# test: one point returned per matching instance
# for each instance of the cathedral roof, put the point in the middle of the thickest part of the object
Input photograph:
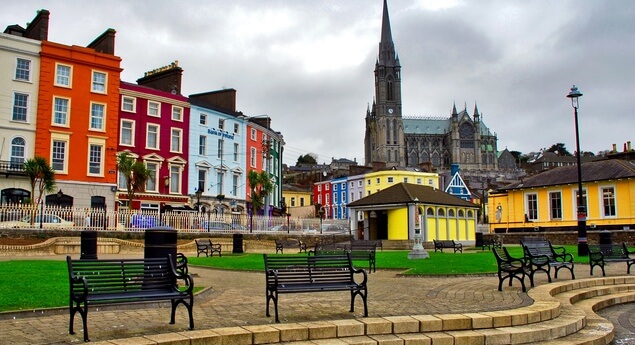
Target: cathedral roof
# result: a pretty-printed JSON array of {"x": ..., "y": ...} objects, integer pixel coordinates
[{"x": 426, "y": 125}]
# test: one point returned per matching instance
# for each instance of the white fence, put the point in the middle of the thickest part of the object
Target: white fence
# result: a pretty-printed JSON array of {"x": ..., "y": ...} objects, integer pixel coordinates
[{"x": 55, "y": 217}]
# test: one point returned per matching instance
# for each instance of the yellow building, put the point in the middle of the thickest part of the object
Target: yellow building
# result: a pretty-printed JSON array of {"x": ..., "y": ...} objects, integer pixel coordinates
[
  {"x": 380, "y": 180},
  {"x": 298, "y": 201},
  {"x": 548, "y": 200},
  {"x": 395, "y": 213}
]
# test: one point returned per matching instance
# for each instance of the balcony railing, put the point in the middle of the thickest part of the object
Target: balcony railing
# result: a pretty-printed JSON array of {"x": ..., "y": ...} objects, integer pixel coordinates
[{"x": 11, "y": 168}]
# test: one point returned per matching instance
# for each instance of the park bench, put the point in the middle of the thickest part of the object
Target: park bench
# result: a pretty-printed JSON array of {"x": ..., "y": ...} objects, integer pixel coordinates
[
  {"x": 542, "y": 256},
  {"x": 358, "y": 252},
  {"x": 447, "y": 244},
  {"x": 315, "y": 273},
  {"x": 510, "y": 268},
  {"x": 491, "y": 242},
  {"x": 207, "y": 248},
  {"x": 290, "y": 243},
  {"x": 377, "y": 243},
  {"x": 125, "y": 281},
  {"x": 601, "y": 254}
]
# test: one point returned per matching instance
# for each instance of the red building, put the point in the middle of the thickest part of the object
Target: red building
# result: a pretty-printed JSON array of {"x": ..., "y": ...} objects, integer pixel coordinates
[{"x": 154, "y": 127}]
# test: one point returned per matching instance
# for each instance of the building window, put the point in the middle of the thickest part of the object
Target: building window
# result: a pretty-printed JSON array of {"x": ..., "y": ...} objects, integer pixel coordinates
[
  {"x": 532, "y": 207},
  {"x": 23, "y": 69},
  {"x": 126, "y": 133},
  {"x": 154, "y": 109},
  {"x": 202, "y": 180},
  {"x": 58, "y": 156},
  {"x": 220, "y": 148},
  {"x": 360, "y": 183},
  {"x": 335, "y": 198},
  {"x": 252, "y": 159},
  {"x": 97, "y": 114},
  {"x": 430, "y": 182},
  {"x": 608, "y": 202},
  {"x": 378, "y": 180},
  {"x": 18, "y": 149},
  {"x": 405, "y": 180},
  {"x": 202, "y": 145},
  {"x": 177, "y": 113},
  {"x": 60, "y": 111},
  {"x": 235, "y": 185},
  {"x": 391, "y": 179},
  {"x": 151, "y": 183},
  {"x": 221, "y": 124},
  {"x": 175, "y": 141},
  {"x": 122, "y": 182},
  {"x": 152, "y": 137},
  {"x": 335, "y": 187},
  {"x": 99, "y": 82},
  {"x": 175, "y": 179},
  {"x": 253, "y": 134},
  {"x": 359, "y": 195},
  {"x": 63, "y": 75},
  {"x": 202, "y": 119},
  {"x": 95, "y": 159},
  {"x": 343, "y": 197},
  {"x": 236, "y": 150},
  {"x": 220, "y": 175},
  {"x": 128, "y": 104},
  {"x": 236, "y": 128},
  {"x": 292, "y": 201},
  {"x": 555, "y": 205},
  {"x": 301, "y": 201},
  {"x": 20, "y": 103}
]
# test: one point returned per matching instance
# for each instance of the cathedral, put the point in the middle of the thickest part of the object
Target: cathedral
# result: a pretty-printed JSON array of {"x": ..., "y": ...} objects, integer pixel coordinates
[{"x": 400, "y": 141}]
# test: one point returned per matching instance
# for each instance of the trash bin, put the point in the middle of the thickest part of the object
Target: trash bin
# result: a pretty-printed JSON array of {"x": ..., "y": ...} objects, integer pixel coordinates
[
  {"x": 606, "y": 237},
  {"x": 479, "y": 240},
  {"x": 237, "y": 241},
  {"x": 159, "y": 242},
  {"x": 88, "y": 245}
]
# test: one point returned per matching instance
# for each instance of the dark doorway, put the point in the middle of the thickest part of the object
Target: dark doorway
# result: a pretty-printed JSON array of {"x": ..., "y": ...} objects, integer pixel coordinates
[
  {"x": 59, "y": 199},
  {"x": 15, "y": 196}
]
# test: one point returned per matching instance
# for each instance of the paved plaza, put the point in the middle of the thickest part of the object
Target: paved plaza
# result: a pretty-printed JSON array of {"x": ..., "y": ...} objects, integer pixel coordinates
[{"x": 235, "y": 298}]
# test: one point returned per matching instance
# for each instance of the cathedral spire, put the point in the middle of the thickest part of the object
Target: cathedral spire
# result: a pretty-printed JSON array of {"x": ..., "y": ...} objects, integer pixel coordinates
[
  {"x": 386, "y": 45},
  {"x": 476, "y": 114}
]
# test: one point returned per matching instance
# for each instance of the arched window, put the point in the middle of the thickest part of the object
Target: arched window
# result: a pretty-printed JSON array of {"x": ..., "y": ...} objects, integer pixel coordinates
[
  {"x": 470, "y": 214},
  {"x": 18, "y": 148},
  {"x": 430, "y": 211},
  {"x": 389, "y": 91},
  {"x": 450, "y": 213},
  {"x": 388, "y": 132},
  {"x": 395, "y": 135},
  {"x": 461, "y": 214},
  {"x": 441, "y": 213}
]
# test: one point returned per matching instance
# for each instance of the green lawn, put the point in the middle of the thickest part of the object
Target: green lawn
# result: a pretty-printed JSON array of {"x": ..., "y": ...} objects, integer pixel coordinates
[{"x": 36, "y": 284}]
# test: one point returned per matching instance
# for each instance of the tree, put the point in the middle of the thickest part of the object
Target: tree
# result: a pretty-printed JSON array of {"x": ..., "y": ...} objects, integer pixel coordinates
[
  {"x": 260, "y": 186},
  {"x": 308, "y": 158},
  {"x": 559, "y": 149},
  {"x": 41, "y": 175},
  {"x": 135, "y": 173}
]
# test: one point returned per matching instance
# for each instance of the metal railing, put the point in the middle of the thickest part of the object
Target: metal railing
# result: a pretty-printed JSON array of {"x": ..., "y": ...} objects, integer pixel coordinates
[{"x": 56, "y": 217}]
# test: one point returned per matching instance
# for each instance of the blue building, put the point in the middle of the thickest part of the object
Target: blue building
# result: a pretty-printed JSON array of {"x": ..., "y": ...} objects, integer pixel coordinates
[{"x": 339, "y": 196}]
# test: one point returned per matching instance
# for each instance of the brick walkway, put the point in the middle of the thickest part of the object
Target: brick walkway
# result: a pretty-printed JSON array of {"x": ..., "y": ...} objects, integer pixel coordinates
[{"x": 238, "y": 299}]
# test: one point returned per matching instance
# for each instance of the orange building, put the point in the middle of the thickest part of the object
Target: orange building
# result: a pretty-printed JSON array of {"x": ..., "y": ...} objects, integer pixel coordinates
[{"x": 77, "y": 120}]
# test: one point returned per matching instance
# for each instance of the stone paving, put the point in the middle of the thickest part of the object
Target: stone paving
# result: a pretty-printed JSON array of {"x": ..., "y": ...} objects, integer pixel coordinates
[{"x": 238, "y": 299}]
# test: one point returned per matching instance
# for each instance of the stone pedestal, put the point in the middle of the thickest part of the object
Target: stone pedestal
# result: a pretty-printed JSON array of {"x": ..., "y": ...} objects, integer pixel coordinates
[{"x": 418, "y": 252}]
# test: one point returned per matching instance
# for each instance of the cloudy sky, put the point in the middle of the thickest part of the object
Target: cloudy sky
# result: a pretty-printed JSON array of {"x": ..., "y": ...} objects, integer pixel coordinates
[{"x": 308, "y": 64}]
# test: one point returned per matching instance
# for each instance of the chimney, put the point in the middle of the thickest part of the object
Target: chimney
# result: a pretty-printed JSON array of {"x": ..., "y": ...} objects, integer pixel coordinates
[
  {"x": 166, "y": 78},
  {"x": 614, "y": 148},
  {"x": 105, "y": 43},
  {"x": 628, "y": 145},
  {"x": 38, "y": 29},
  {"x": 223, "y": 99},
  {"x": 624, "y": 147}
]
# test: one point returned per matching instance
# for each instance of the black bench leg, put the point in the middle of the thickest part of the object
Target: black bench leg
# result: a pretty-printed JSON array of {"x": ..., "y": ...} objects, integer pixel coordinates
[{"x": 628, "y": 270}]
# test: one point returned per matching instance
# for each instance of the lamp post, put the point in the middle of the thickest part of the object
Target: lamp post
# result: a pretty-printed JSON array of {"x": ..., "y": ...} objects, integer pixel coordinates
[
  {"x": 583, "y": 249},
  {"x": 321, "y": 214},
  {"x": 41, "y": 211},
  {"x": 198, "y": 194},
  {"x": 288, "y": 222}
]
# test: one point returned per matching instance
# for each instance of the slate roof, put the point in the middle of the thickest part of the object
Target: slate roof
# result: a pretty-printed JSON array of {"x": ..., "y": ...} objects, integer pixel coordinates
[
  {"x": 404, "y": 193},
  {"x": 609, "y": 169}
]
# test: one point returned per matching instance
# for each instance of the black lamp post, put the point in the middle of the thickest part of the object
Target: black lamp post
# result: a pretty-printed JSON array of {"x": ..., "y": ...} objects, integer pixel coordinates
[
  {"x": 198, "y": 194},
  {"x": 288, "y": 222},
  {"x": 583, "y": 249},
  {"x": 59, "y": 197},
  {"x": 321, "y": 214}
]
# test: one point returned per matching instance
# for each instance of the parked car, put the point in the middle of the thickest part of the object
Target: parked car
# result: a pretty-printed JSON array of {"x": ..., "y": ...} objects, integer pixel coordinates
[
  {"x": 144, "y": 221},
  {"x": 216, "y": 225},
  {"x": 48, "y": 221}
]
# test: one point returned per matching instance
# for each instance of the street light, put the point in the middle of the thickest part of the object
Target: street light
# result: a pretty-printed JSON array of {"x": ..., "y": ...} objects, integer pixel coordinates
[
  {"x": 583, "y": 249},
  {"x": 198, "y": 194}
]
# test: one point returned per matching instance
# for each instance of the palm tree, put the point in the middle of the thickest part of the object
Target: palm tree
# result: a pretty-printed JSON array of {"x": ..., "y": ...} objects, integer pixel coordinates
[
  {"x": 135, "y": 173},
  {"x": 41, "y": 176},
  {"x": 260, "y": 186}
]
